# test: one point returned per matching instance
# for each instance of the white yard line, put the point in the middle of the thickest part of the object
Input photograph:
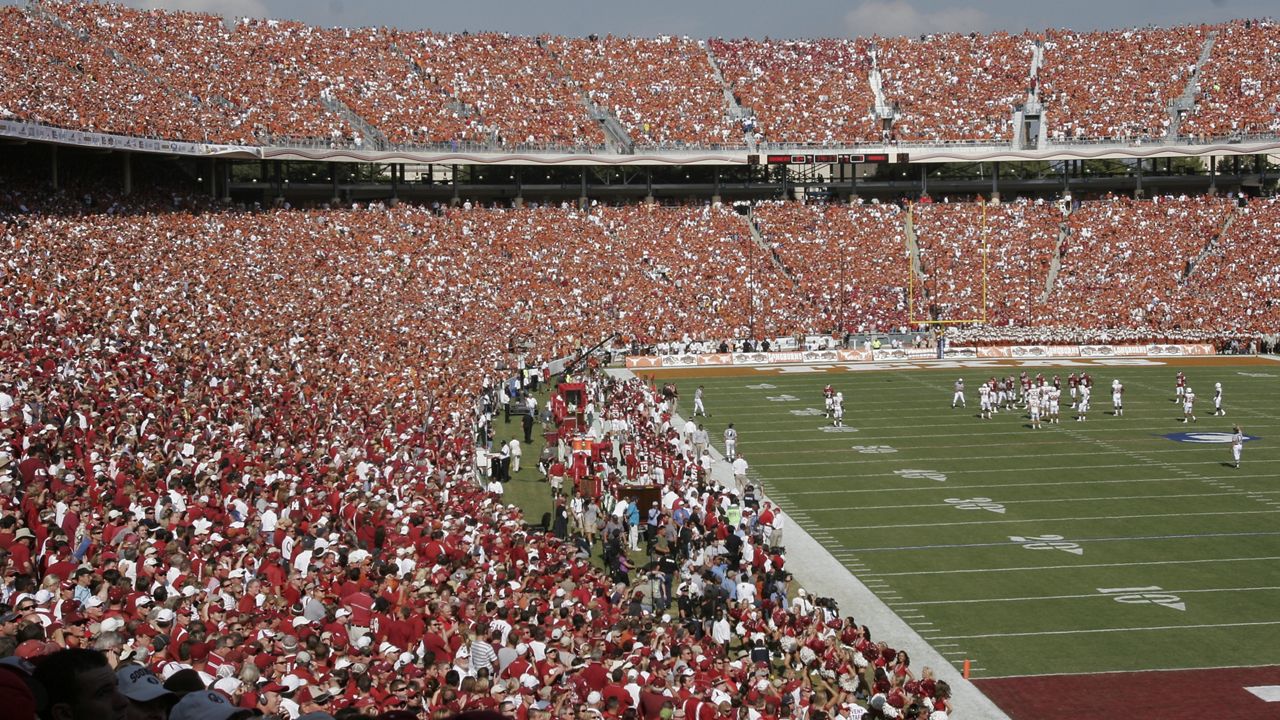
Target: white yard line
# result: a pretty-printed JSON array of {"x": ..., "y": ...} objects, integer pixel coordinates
[
  {"x": 1085, "y": 596},
  {"x": 1090, "y": 566},
  {"x": 1081, "y": 518}
]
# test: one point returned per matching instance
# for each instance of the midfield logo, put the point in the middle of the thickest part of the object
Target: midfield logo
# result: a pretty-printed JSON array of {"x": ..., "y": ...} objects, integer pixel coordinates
[{"x": 1223, "y": 438}]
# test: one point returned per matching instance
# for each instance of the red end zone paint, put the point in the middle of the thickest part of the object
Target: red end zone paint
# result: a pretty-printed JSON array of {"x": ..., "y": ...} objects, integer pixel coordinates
[{"x": 1163, "y": 695}]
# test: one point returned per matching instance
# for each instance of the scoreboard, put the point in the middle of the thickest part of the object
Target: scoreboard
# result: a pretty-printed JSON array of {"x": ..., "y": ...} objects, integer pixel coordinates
[{"x": 823, "y": 159}]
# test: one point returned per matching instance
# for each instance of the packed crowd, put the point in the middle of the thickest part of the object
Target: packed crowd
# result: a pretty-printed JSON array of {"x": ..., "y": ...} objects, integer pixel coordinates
[
  {"x": 1020, "y": 239},
  {"x": 803, "y": 91},
  {"x": 662, "y": 90},
  {"x": 849, "y": 263},
  {"x": 513, "y": 84},
  {"x": 49, "y": 75},
  {"x": 1116, "y": 83},
  {"x": 257, "y": 78},
  {"x": 204, "y": 477},
  {"x": 1234, "y": 286},
  {"x": 1125, "y": 260},
  {"x": 192, "y": 76},
  {"x": 953, "y": 87},
  {"x": 1240, "y": 84}
]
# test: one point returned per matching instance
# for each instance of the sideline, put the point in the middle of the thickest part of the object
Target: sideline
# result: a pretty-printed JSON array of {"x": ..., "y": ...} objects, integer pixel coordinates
[{"x": 822, "y": 575}]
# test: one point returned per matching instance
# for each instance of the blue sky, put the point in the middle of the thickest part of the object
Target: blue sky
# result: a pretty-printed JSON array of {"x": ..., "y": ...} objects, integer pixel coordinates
[{"x": 735, "y": 18}]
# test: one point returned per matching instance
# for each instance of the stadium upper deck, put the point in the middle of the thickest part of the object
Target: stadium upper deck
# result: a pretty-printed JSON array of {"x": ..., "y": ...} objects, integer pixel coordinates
[{"x": 275, "y": 84}]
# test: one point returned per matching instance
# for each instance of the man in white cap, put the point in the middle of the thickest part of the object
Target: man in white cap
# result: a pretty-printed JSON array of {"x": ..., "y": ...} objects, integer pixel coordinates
[{"x": 148, "y": 698}]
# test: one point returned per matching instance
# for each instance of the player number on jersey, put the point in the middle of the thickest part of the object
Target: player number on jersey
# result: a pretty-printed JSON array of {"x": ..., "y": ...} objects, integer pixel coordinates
[
  {"x": 921, "y": 475},
  {"x": 874, "y": 449},
  {"x": 1048, "y": 542},
  {"x": 975, "y": 504},
  {"x": 1152, "y": 595}
]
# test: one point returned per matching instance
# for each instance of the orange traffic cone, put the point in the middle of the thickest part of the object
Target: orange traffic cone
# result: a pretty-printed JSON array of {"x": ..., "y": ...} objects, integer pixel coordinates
[{"x": 966, "y": 669}]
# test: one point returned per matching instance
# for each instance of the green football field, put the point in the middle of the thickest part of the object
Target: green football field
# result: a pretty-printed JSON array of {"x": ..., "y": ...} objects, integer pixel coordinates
[{"x": 1081, "y": 547}]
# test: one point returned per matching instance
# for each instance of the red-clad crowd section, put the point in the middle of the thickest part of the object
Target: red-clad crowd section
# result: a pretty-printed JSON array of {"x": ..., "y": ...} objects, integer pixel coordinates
[{"x": 253, "y": 451}]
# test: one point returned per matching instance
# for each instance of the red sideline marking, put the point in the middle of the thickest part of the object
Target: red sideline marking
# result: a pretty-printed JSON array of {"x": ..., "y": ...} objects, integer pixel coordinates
[{"x": 1169, "y": 695}]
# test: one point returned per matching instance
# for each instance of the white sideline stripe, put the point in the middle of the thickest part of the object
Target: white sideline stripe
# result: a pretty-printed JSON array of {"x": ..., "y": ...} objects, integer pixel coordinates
[
  {"x": 1086, "y": 596},
  {"x": 1072, "y": 567},
  {"x": 1060, "y": 519},
  {"x": 1118, "y": 481},
  {"x": 1233, "y": 493},
  {"x": 1111, "y": 630},
  {"x": 1179, "y": 536}
]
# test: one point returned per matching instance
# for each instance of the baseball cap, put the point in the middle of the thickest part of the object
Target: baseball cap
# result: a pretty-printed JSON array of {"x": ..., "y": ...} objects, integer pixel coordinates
[
  {"x": 207, "y": 705},
  {"x": 139, "y": 684}
]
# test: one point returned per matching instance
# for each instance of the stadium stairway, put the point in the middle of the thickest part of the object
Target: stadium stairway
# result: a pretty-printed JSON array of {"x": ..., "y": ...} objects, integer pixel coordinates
[
  {"x": 1031, "y": 107},
  {"x": 616, "y": 137},
  {"x": 758, "y": 238},
  {"x": 1210, "y": 246},
  {"x": 884, "y": 111},
  {"x": 1186, "y": 102},
  {"x": 373, "y": 137},
  {"x": 1055, "y": 263},
  {"x": 733, "y": 109}
]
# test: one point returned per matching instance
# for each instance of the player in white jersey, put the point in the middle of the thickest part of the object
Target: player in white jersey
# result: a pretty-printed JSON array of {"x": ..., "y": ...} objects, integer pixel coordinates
[
  {"x": 984, "y": 401},
  {"x": 730, "y": 442},
  {"x": 829, "y": 403},
  {"x": 958, "y": 398},
  {"x": 837, "y": 410},
  {"x": 698, "y": 407},
  {"x": 1055, "y": 397},
  {"x": 1189, "y": 405},
  {"x": 1082, "y": 404},
  {"x": 1237, "y": 443},
  {"x": 1117, "y": 398},
  {"x": 1033, "y": 406},
  {"x": 1217, "y": 400}
]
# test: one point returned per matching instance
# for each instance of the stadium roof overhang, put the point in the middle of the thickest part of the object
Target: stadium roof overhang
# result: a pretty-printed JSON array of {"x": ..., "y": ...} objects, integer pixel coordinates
[{"x": 912, "y": 153}]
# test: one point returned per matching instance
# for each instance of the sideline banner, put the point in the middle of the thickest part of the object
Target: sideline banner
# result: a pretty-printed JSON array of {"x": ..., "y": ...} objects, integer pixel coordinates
[{"x": 1019, "y": 352}]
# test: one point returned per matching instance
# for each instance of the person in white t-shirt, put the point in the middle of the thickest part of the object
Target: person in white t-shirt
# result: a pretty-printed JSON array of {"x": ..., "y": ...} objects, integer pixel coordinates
[{"x": 740, "y": 473}]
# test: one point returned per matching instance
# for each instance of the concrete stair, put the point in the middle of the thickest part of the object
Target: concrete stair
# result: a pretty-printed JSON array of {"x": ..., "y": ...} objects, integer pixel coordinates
[
  {"x": 1055, "y": 264},
  {"x": 617, "y": 139},
  {"x": 758, "y": 238},
  {"x": 733, "y": 110},
  {"x": 1186, "y": 102},
  {"x": 1210, "y": 246},
  {"x": 373, "y": 138},
  {"x": 884, "y": 110}
]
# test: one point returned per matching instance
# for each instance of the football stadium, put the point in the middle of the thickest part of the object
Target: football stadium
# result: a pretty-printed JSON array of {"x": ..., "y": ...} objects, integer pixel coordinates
[{"x": 377, "y": 372}]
